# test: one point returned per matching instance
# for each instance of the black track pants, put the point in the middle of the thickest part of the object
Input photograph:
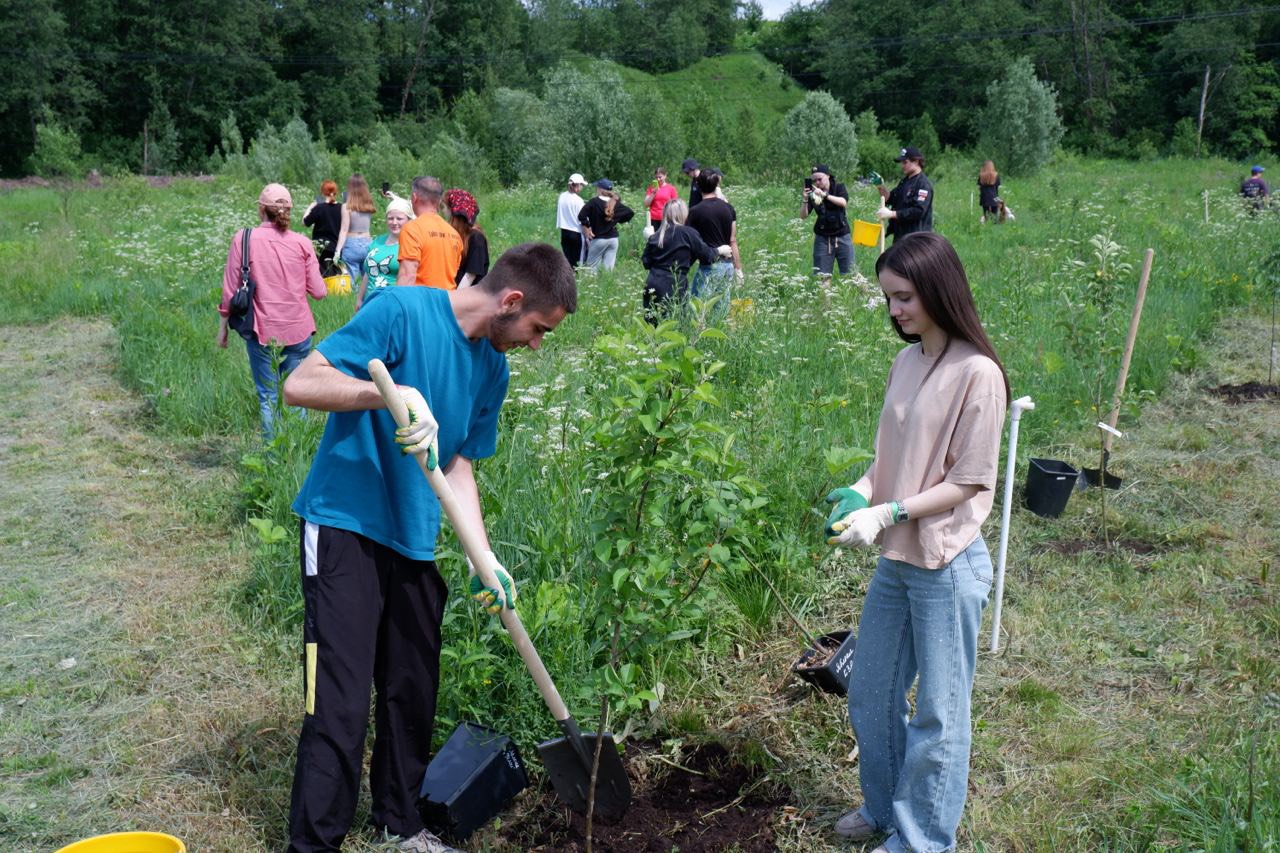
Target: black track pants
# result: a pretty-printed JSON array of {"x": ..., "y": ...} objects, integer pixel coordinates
[
  {"x": 372, "y": 617},
  {"x": 571, "y": 245}
]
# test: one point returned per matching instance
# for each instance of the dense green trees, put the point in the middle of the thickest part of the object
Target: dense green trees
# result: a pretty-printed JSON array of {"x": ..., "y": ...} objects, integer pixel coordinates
[{"x": 148, "y": 86}]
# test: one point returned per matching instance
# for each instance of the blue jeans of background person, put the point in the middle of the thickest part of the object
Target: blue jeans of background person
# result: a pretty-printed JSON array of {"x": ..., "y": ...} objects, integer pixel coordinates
[
  {"x": 354, "y": 251},
  {"x": 827, "y": 251},
  {"x": 269, "y": 366},
  {"x": 714, "y": 280},
  {"x": 602, "y": 252},
  {"x": 915, "y": 770}
]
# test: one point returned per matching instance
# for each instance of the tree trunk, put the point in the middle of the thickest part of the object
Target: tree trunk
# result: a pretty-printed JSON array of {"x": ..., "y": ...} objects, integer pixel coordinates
[
  {"x": 428, "y": 12},
  {"x": 1204, "y": 98}
]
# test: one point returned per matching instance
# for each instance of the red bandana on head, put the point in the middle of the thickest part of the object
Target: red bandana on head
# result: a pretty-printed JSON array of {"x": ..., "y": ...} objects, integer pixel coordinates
[{"x": 462, "y": 203}]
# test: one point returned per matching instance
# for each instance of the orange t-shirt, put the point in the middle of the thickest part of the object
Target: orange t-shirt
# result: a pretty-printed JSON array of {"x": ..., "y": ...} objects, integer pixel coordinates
[{"x": 436, "y": 247}]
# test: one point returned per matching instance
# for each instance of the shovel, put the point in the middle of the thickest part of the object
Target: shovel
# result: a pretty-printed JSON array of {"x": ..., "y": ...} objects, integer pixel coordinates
[{"x": 568, "y": 759}]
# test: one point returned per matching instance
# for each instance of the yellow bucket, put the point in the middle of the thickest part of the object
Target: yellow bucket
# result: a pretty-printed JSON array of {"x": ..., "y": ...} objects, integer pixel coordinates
[
  {"x": 866, "y": 233},
  {"x": 128, "y": 842},
  {"x": 338, "y": 285}
]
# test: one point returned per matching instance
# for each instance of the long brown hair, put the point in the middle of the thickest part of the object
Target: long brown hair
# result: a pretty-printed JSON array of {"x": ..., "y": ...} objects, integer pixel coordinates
[
  {"x": 987, "y": 175},
  {"x": 464, "y": 229},
  {"x": 932, "y": 266},
  {"x": 609, "y": 205},
  {"x": 358, "y": 198}
]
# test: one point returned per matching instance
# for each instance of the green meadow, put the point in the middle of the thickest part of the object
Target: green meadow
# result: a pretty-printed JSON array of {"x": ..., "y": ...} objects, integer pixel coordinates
[{"x": 1134, "y": 705}]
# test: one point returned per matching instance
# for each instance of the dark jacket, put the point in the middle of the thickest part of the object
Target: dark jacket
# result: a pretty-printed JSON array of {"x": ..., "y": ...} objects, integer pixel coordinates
[
  {"x": 670, "y": 262},
  {"x": 831, "y": 220},
  {"x": 592, "y": 216},
  {"x": 325, "y": 220},
  {"x": 988, "y": 195},
  {"x": 912, "y": 200}
]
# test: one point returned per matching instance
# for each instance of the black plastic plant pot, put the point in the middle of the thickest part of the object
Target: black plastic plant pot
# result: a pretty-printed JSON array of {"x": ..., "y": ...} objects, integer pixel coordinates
[
  {"x": 1049, "y": 486},
  {"x": 473, "y": 777},
  {"x": 828, "y": 667}
]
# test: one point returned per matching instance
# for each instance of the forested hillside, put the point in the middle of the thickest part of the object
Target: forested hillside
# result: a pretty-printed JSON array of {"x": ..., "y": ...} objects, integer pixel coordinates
[{"x": 126, "y": 86}]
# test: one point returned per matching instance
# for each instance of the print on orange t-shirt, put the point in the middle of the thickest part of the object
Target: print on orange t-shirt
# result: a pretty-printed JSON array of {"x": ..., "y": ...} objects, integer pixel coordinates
[{"x": 436, "y": 247}]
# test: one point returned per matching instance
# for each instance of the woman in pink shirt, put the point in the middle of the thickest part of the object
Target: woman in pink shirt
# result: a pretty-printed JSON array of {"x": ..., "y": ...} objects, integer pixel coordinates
[
  {"x": 659, "y": 193},
  {"x": 284, "y": 271},
  {"x": 923, "y": 500}
]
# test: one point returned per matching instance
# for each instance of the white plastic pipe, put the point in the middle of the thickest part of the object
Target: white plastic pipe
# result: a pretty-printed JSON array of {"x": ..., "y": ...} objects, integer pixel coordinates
[{"x": 1019, "y": 406}]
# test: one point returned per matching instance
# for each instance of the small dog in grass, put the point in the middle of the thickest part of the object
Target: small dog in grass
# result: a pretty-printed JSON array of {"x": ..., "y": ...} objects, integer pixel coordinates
[{"x": 1005, "y": 214}]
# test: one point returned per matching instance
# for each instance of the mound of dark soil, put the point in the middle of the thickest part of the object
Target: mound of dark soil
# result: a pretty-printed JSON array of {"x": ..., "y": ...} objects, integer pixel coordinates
[
  {"x": 720, "y": 805},
  {"x": 1247, "y": 392}
]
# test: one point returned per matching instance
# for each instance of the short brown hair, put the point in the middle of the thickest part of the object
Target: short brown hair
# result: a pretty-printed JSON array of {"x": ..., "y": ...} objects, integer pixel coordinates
[{"x": 540, "y": 272}]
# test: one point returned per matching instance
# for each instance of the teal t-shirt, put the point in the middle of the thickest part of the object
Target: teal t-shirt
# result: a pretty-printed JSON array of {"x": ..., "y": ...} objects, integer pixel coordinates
[
  {"x": 383, "y": 262},
  {"x": 360, "y": 480}
]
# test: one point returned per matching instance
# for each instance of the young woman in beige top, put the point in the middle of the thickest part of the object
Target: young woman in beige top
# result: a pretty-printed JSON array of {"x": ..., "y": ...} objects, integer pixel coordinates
[{"x": 923, "y": 500}]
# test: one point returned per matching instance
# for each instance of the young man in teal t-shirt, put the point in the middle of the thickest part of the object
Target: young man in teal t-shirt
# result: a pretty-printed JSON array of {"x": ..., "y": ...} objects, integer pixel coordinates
[{"x": 373, "y": 596}]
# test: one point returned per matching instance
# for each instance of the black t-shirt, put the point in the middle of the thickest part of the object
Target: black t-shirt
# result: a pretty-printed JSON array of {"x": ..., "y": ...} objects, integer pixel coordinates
[
  {"x": 713, "y": 219},
  {"x": 477, "y": 260},
  {"x": 912, "y": 200},
  {"x": 987, "y": 195},
  {"x": 325, "y": 220},
  {"x": 592, "y": 216},
  {"x": 832, "y": 220}
]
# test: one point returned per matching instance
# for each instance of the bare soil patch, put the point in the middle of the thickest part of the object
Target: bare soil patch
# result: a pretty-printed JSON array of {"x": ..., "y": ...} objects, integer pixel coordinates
[
  {"x": 1246, "y": 392},
  {"x": 706, "y": 801}
]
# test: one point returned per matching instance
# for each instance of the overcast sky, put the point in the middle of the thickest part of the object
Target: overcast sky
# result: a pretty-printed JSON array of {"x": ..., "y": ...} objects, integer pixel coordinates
[{"x": 774, "y": 9}]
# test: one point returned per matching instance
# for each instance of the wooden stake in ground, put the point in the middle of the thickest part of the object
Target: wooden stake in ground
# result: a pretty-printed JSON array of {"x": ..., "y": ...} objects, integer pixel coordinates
[
  {"x": 1206, "y": 206},
  {"x": 1128, "y": 345}
]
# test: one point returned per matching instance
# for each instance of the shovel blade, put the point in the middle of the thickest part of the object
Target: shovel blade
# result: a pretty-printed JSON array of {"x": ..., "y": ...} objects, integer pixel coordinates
[{"x": 571, "y": 777}]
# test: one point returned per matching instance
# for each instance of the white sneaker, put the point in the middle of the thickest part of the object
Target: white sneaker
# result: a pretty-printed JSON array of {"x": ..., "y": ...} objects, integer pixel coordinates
[
  {"x": 855, "y": 827},
  {"x": 425, "y": 842}
]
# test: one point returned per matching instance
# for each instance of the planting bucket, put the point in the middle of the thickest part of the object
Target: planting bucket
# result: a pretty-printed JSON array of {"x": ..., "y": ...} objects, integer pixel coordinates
[
  {"x": 471, "y": 779},
  {"x": 128, "y": 842},
  {"x": 866, "y": 233},
  {"x": 338, "y": 284},
  {"x": 832, "y": 676},
  {"x": 1049, "y": 486}
]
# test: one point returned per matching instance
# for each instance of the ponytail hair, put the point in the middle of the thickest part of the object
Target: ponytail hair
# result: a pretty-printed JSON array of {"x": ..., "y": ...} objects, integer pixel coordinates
[
  {"x": 932, "y": 266},
  {"x": 277, "y": 214},
  {"x": 610, "y": 204}
]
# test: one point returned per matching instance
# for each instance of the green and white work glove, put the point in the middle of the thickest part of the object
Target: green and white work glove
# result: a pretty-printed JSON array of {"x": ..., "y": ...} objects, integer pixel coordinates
[
  {"x": 843, "y": 502},
  {"x": 493, "y": 600},
  {"x": 861, "y": 527},
  {"x": 420, "y": 435}
]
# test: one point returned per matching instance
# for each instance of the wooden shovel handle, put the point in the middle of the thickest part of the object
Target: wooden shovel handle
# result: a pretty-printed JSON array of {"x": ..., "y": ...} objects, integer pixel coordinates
[
  {"x": 1128, "y": 346},
  {"x": 473, "y": 545}
]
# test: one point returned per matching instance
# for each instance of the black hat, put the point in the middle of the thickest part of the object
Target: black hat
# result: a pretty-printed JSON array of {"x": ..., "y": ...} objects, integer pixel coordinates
[
  {"x": 909, "y": 153},
  {"x": 689, "y": 165},
  {"x": 824, "y": 169}
]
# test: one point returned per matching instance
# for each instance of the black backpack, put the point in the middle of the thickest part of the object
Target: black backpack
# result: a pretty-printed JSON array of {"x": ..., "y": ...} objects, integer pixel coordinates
[{"x": 240, "y": 308}]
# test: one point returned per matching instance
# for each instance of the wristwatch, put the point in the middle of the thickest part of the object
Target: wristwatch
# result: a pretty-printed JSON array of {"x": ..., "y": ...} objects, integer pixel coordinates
[{"x": 900, "y": 512}]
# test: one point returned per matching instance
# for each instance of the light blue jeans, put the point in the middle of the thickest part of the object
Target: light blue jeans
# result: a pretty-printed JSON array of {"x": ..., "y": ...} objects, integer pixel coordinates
[
  {"x": 915, "y": 769},
  {"x": 714, "y": 280},
  {"x": 354, "y": 252},
  {"x": 269, "y": 366}
]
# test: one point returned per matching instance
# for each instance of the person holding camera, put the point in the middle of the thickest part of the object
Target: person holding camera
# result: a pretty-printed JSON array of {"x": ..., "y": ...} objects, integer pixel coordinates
[
  {"x": 828, "y": 199},
  {"x": 909, "y": 208}
]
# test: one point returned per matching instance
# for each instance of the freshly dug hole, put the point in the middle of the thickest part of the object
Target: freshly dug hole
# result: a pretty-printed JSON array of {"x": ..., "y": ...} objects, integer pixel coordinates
[{"x": 720, "y": 805}]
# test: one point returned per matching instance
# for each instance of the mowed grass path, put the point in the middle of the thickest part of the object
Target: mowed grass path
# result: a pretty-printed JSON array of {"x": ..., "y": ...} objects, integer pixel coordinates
[{"x": 128, "y": 698}]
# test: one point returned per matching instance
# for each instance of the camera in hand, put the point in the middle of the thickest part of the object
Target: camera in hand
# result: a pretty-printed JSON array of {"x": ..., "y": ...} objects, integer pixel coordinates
[
  {"x": 808, "y": 183},
  {"x": 386, "y": 187}
]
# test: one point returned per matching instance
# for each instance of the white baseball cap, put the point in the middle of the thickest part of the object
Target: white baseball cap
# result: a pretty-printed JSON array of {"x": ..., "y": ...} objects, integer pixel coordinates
[{"x": 576, "y": 178}]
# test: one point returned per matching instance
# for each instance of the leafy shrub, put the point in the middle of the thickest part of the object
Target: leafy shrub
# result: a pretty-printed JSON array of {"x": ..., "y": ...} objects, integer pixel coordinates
[
  {"x": 818, "y": 130},
  {"x": 384, "y": 160},
  {"x": 290, "y": 156},
  {"x": 163, "y": 148},
  {"x": 1183, "y": 141},
  {"x": 1020, "y": 124},
  {"x": 57, "y": 151},
  {"x": 876, "y": 148}
]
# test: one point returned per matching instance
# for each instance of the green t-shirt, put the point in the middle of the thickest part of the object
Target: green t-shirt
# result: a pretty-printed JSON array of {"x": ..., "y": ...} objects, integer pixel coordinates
[{"x": 383, "y": 263}]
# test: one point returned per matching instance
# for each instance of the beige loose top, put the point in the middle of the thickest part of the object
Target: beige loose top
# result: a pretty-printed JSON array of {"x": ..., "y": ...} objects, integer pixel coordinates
[{"x": 943, "y": 428}]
